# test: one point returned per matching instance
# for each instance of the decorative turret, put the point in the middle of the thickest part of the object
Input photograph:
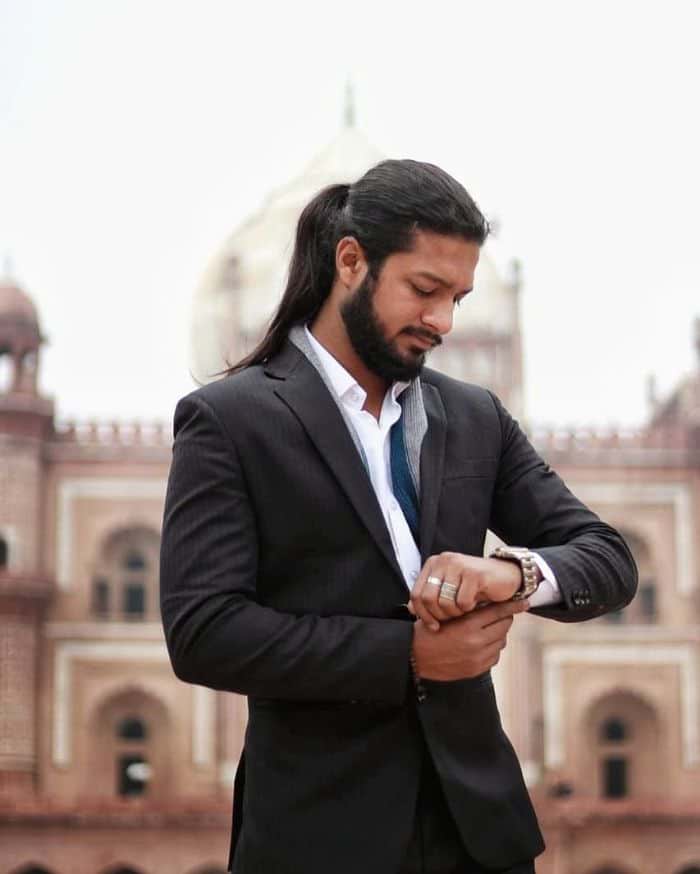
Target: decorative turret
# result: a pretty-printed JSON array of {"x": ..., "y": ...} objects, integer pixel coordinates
[
  {"x": 20, "y": 339},
  {"x": 26, "y": 421},
  {"x": 23, "y": 411}
]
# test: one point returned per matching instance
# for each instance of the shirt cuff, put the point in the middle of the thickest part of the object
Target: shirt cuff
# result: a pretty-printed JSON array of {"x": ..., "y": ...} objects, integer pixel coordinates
[{"x": 548, "y": 589}]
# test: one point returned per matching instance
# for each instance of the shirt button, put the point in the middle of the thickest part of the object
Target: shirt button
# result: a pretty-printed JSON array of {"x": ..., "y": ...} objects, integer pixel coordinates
[
  {"x": 414, "y": 575},
  {"x": 394, "y": 506}
]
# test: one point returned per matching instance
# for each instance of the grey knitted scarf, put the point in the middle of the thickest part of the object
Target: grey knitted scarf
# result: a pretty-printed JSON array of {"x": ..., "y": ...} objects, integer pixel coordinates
[{"x": 415, "y": 421}]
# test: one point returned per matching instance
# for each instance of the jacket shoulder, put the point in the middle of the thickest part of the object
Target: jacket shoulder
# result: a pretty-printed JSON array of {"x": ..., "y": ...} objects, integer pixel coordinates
[
  {"x": 222, "y": 392},
  {"x": 455, "y": 393}
]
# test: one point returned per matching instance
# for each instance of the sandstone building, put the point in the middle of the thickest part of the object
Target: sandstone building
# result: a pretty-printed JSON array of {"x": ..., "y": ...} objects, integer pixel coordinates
[{"x": 110, "y": 765}]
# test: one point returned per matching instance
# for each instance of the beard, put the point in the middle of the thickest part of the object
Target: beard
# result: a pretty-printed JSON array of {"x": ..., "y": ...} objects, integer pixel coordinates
[{"x": 366, "y": 334}]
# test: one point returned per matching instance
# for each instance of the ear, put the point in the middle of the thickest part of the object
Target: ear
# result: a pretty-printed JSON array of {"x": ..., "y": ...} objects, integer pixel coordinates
[{"x": 350, "y": 262}]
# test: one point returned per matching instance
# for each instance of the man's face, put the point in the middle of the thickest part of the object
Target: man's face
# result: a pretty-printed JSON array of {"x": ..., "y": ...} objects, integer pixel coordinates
[{"x": 395, "y": 320}]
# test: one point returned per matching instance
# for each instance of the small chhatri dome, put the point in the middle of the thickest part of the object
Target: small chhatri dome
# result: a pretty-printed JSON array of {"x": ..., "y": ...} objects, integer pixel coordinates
[
  {"x": 16, "y": 306},
  {"x": 20, "y": 340}
]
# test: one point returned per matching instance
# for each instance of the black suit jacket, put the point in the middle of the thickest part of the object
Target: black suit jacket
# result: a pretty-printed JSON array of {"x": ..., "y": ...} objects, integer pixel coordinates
[{"x": 279, "y": 581}]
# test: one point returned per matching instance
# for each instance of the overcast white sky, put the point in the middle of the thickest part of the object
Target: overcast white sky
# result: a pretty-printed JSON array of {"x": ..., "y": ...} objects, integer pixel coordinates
[{"x": 136, "y": 134}]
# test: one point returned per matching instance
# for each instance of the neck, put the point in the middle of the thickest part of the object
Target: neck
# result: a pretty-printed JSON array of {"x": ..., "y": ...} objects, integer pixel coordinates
[{"x": 329, "y": 330}]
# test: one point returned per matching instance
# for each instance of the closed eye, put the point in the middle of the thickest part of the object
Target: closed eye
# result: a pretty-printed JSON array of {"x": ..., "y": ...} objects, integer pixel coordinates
[{"x": 421, "y": 292}]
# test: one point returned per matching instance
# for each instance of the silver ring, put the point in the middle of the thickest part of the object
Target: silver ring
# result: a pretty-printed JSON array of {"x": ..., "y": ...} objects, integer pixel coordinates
[
  {"x": 434, "y": 581},
  {"x": 448, "y": 591}
]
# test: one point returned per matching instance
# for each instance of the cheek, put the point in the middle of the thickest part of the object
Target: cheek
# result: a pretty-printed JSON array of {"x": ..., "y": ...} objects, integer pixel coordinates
[{"x": 397, "y": 308}]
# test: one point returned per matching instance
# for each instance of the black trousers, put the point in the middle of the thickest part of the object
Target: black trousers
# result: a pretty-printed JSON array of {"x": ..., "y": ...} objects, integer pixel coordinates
[{"x": 435, "y": 846}]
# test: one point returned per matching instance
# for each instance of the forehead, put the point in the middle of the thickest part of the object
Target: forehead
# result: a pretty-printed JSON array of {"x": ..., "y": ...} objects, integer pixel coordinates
[{"x": 452, "y": 259}]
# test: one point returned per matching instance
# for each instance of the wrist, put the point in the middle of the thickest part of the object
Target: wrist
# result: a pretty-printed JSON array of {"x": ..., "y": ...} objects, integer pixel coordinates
[
  {"x": 502, "y": 580},
  {"x": 525, "y": 562}
]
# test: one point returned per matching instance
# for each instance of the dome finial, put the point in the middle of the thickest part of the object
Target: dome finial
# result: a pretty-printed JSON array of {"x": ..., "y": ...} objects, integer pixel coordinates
[{"x": 349, "y": 112}]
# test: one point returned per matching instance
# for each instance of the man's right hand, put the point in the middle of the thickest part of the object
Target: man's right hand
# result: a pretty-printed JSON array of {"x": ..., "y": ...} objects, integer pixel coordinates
[{"x": 466, "y": 646}]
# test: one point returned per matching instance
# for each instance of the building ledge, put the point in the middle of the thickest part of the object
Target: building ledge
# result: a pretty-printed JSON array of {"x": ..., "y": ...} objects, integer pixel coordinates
[
  {"x": 86, "y": 812},
  {"x": 576, "y": 812}
]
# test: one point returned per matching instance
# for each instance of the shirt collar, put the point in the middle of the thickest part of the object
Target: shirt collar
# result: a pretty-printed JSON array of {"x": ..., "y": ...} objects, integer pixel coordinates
[{"x": 344, "y": 384}]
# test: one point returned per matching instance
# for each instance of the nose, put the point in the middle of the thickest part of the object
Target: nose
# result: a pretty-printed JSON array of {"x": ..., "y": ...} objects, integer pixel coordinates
[{"x": 437, "y": 316}]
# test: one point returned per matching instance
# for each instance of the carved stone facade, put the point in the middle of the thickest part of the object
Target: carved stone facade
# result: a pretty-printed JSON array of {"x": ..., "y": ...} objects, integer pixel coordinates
[{"x": 109, "y": 764}]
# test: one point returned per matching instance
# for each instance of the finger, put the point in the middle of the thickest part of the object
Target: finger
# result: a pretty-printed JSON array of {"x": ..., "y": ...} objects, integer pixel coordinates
[
  {"x": 418, "y": 599},
  {"x": 448, "y": 596},
  {"x": 448, "y": 568},
  {"x": 436, "y": 598},
  {"x": 492, "y": 654},
  {"x": 466, "y": 597},
  {"x": 497, "y": 631}
]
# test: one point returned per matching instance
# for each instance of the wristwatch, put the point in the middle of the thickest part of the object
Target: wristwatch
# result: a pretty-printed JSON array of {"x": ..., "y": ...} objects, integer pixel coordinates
[{"x": 522, "y": 556}]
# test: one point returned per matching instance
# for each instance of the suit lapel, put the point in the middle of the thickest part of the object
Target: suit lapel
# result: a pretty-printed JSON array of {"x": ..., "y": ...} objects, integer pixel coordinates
[
  {"x": 432, "y": 458},
  {"x": 301, "y": 388}
]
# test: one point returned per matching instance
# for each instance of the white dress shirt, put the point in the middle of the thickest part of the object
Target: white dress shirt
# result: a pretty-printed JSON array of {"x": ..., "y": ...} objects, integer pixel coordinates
[{"x": 374, "y": 437}]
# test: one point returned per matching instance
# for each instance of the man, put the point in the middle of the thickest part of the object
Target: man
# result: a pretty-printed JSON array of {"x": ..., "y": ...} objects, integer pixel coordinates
[{"x": 322, "y": 553}]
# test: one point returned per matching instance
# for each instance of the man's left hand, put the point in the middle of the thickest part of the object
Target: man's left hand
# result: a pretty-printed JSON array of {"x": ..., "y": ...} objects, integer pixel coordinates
[{"x": 478, "y": 580}]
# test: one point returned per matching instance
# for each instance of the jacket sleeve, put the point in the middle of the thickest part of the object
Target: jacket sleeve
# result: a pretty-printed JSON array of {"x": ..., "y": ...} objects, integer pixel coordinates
[
  {"x": 216, "y": 632},
  {"x": 532, "y": 507}
]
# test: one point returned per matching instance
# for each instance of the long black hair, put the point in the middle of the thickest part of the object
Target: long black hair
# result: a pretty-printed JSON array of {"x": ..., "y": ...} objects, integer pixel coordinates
[{"x": 382, "y": 210}]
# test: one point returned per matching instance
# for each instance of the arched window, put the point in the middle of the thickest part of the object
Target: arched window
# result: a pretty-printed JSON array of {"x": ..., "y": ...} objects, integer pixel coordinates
[
  {"x": 133, "y": 769},
  {"x": 134, "y": 560},
  {"x": 625, "y": 754},
  {"x": 613, "y": 729},
  {"x": 613, "y": 735},
  {"x": 4, "y": 553},
  {"x": 132, "y": 728},
  {"x": 7, "y": 369},
  {"x": 124, "y": 583},
  {"x": 615, "y": 777},
  {"x": 644, "y": 608}
]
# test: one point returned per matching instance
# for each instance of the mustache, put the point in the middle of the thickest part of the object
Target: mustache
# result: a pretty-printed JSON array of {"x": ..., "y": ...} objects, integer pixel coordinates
[{"x": 423, "y": 334}]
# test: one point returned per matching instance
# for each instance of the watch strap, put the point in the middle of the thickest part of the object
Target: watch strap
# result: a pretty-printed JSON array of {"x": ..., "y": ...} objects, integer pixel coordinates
[{"x": 522, "y": 556}]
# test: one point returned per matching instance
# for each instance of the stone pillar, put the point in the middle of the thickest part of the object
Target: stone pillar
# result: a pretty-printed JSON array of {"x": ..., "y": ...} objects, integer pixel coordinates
[{"x": 21, "y": 607}]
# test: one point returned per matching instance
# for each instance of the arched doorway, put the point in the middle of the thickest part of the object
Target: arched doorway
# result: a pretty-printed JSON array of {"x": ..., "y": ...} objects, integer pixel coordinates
[
  {"x": 130, "y": 747},
  {"x": 624, "y": 754}
]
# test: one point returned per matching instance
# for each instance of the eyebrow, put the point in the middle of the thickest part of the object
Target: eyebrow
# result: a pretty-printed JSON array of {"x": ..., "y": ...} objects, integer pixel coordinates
[{"x": 433, "y": 277}]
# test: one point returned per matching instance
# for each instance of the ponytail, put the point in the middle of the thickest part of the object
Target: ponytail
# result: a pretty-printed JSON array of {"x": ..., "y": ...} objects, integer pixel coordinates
[{"x": 311, "y": 272}]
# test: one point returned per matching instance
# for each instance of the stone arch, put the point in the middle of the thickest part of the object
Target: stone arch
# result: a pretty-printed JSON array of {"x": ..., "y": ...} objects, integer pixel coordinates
[
  {"x": 124, "y": 573},
  {"x": 624, "y": 749},
  {"x": 118, "y": 688},
  {"x": 128, "y": 763}
]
